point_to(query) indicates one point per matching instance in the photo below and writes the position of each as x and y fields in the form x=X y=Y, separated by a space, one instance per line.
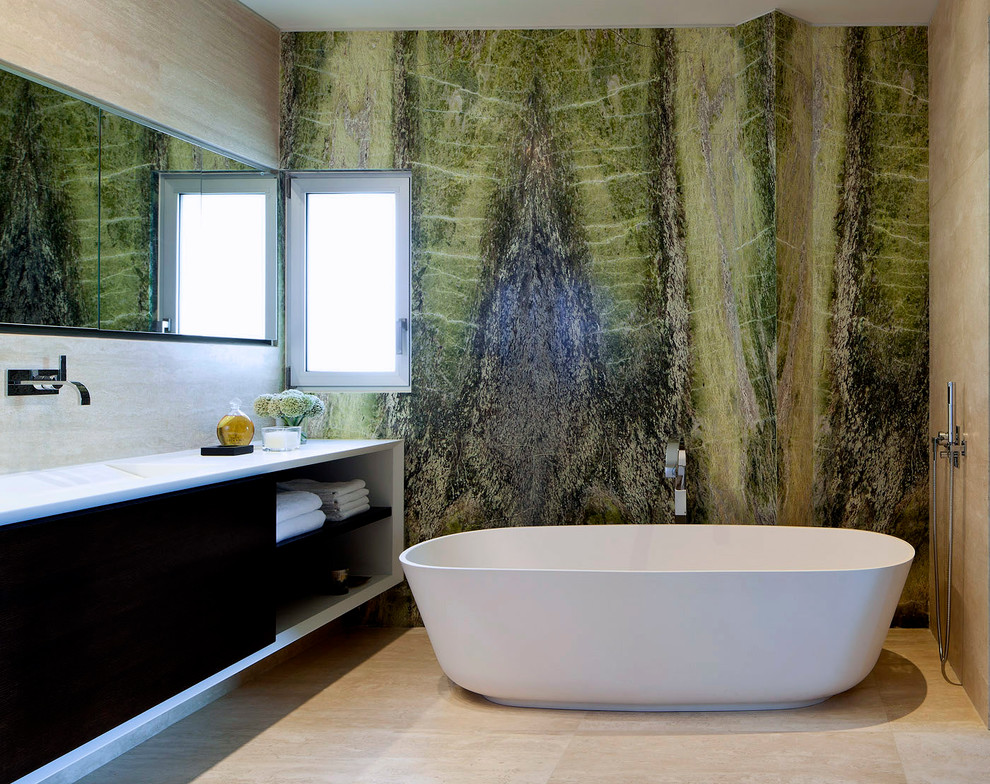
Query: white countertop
x=32 y=494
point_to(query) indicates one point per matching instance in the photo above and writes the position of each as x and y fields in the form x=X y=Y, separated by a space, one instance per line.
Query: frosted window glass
x=350 y=282
x=222 y=264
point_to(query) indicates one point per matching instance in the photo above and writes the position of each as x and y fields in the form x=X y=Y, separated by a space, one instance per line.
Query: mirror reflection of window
x=222 y=264
x=217 y=239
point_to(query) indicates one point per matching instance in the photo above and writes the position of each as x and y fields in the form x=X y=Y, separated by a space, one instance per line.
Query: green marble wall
x=871 y=467
x=625 y=236
x=723 y=117
x=49 y=228
x=852 y=265
x=795 y=114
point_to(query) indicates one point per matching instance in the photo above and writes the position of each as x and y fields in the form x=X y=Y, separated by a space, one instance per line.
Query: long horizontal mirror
x=110 y=225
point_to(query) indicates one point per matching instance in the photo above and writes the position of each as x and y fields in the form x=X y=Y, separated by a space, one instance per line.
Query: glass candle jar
x=280 y=439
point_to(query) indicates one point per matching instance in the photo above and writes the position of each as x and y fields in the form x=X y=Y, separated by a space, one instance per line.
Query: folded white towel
x=347 y=507
x=343 y=515
x=328 y=491
x=358 y=496
x=300 y=524
x=295 y=503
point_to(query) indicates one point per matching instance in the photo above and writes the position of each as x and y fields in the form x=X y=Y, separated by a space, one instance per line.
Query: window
x=217 y=269
x=348 y=280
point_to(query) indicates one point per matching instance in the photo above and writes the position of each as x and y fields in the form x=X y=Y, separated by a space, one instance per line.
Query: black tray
x=227 y=450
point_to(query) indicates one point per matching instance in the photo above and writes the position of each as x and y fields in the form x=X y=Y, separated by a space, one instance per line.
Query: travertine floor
x=371 y=706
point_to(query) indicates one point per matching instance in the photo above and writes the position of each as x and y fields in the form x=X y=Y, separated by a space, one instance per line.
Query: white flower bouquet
x=291 y=406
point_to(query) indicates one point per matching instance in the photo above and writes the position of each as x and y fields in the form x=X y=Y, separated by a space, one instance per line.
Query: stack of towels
x=339 y=500
x=297 y=513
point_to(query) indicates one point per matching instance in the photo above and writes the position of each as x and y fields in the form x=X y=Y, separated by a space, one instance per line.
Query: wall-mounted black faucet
x=44 y=382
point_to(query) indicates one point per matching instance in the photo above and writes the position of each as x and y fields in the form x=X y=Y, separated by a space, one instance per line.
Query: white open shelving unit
x=370 y=551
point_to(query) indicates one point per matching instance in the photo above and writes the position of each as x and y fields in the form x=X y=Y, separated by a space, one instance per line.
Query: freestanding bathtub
x=658 y=617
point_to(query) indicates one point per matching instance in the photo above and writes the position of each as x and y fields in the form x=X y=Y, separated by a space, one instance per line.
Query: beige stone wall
x=208 y=70
x=959 y=302
x=148 y=396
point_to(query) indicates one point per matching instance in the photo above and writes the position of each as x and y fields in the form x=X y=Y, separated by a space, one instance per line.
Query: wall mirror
x=82 y=245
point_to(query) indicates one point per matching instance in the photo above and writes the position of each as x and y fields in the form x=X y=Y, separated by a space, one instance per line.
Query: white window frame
x=171 y=185
x=300 y=185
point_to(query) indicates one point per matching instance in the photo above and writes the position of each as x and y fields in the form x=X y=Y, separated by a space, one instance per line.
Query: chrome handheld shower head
x=952 y=412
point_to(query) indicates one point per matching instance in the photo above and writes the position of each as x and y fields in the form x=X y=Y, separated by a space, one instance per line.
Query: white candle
x=276 y=441
x=281 y=439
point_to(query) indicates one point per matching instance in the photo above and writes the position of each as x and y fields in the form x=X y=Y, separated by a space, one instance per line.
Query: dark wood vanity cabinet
x=107 y=612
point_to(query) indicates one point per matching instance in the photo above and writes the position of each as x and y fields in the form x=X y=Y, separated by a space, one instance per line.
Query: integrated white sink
x=151 y=469
x=53 y=479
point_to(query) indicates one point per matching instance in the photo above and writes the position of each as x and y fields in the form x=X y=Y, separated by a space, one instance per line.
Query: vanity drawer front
x=108 y=612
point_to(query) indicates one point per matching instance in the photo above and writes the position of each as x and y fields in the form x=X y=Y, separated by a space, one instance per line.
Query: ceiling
x=522 y=14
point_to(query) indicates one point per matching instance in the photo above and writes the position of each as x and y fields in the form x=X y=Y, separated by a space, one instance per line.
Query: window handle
x=401 y=325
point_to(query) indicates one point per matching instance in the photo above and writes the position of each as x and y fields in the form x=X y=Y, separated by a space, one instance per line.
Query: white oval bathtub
x=658 y=617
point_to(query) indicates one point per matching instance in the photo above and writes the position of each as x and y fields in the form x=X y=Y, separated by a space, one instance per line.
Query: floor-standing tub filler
x=658 y=617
